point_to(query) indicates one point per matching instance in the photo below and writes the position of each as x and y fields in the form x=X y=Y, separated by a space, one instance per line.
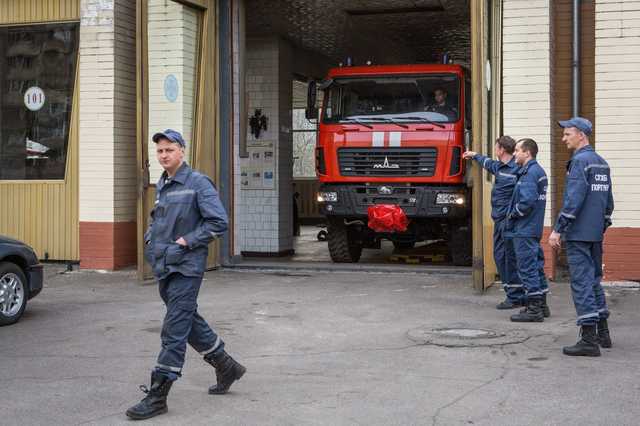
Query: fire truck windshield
x=405 y=99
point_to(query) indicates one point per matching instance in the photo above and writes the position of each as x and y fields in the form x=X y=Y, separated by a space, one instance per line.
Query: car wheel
x=13 y=293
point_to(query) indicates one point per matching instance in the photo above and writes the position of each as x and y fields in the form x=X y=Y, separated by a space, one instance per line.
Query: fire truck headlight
x=327 y=197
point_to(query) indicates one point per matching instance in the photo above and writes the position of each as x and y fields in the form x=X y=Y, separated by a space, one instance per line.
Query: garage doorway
x=302 y=41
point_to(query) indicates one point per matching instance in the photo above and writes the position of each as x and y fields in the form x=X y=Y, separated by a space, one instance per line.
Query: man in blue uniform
x=525 y=221
x=504 y=169
x=586 y=214
x=187 y=216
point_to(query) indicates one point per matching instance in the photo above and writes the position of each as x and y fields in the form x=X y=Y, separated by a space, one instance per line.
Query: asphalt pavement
x=321 y=348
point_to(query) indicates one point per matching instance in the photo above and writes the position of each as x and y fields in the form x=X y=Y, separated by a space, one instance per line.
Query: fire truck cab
x=394 y=135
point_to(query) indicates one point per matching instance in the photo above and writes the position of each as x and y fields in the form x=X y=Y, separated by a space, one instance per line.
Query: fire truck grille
x=387 y=161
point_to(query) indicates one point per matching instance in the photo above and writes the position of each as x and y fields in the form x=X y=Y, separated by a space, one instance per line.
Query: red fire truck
x=394 y=135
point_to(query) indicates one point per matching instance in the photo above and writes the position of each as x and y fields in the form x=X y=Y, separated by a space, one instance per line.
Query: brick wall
x=97 y=85
x=526 y=81
x=617 y=106
x=527 y=85
x=107 y=182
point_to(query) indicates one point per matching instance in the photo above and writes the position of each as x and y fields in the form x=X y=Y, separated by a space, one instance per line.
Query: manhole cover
x=461 y=335
x=465 y=333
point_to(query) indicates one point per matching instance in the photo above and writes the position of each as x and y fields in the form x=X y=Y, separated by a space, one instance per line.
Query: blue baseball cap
x=579 y=123
x=170 y=135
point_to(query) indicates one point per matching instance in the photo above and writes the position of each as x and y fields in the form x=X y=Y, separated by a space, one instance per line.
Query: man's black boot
x=532 y=313
x=604 y=338
x=228 y=370
x=587 y=345
x=155 y=402
x=545 y=308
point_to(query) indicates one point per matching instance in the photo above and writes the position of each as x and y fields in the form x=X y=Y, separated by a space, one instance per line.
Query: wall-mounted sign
x=34 y=98
x=171 y=88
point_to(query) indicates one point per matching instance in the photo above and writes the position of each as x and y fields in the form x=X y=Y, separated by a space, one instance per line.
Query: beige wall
x=107 y=111
x=527 y=61
x=172 y=45
x=617 y=102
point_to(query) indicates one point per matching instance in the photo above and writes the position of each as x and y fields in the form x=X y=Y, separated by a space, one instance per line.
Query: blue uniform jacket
x=186 y=206
x=503 y=185
x=526 y=210
x=588 y=198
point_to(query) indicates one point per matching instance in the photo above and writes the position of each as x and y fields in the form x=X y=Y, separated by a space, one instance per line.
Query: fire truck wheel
x=460 y=246
x=342 y=248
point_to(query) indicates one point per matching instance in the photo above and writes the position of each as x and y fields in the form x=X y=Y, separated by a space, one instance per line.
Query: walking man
x=187 y=216
x=504 y=169
x=585 y=216
x=524 y=225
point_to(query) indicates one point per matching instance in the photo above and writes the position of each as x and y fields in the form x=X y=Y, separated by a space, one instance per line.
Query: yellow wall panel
x=44 y=214
x=34 y=11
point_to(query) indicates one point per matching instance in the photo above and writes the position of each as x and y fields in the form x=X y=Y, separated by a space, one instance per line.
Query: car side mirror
x=311 y=112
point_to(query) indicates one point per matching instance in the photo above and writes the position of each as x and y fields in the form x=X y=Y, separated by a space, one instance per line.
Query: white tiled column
x=264 y=216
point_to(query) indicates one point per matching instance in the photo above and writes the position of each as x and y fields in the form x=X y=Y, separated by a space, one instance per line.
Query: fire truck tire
x=341 y=247
x=461 y=246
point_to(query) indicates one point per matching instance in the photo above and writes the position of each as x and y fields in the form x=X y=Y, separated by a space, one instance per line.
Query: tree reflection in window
x=33 y=142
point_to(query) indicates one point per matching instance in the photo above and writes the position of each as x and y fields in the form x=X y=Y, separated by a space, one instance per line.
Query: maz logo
x=386 y=165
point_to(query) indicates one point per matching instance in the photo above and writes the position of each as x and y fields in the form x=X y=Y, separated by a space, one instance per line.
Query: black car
x=20 y=278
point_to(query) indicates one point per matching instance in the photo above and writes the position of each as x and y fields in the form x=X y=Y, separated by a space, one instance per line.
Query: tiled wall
x=264 y=216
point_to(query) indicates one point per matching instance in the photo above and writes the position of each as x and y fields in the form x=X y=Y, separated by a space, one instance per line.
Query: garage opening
x=425 y=46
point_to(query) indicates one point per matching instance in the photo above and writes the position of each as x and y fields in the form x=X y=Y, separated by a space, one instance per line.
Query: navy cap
x=170 y=135
x=579 y=123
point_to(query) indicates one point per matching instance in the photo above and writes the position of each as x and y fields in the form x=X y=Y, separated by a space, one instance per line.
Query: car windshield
x=404 y=99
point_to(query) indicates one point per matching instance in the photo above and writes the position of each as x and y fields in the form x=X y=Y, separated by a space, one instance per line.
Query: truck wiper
x=355 y=120
x=389 y=120
x=425 y=120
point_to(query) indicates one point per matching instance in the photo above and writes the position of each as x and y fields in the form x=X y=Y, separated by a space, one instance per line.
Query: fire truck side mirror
x=311 y=113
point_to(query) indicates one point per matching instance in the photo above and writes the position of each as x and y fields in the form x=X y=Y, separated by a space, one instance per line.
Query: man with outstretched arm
x=504 y=169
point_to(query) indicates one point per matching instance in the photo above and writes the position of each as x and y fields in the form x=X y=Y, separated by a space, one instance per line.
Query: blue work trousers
x=182 y=324
x=530 y=264
x=505 y=259
x=585 y=268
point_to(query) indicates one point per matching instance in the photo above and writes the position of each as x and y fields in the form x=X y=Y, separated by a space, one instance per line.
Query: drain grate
x=461 y=335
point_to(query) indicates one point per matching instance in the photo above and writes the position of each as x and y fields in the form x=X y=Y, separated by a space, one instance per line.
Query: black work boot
x=532 y=313
x=545 y=308
x=604 y=338
x=228 y=370
x=155 y=402
x=509 y=304
x=587 y=345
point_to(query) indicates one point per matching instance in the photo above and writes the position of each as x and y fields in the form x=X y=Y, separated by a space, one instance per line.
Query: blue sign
x=171 y=88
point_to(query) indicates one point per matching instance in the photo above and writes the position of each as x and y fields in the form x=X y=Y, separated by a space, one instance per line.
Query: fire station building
x=85 y=83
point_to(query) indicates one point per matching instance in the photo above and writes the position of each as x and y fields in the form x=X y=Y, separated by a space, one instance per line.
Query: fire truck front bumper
x=417 y=201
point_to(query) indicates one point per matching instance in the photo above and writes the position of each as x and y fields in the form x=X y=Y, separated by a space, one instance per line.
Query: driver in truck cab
x=441 y=106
